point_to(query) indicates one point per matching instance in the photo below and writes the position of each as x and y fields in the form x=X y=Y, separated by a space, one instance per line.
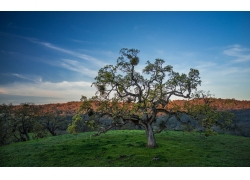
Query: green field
x=125 y=148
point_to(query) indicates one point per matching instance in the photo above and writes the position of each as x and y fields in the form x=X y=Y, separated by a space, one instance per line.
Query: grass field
x=125 y=148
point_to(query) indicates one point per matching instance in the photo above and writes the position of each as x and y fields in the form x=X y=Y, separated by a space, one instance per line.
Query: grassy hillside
x=125 y=148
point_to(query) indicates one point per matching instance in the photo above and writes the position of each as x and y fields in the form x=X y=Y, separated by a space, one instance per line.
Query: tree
x=202 y=108
x=126 y=96
x=6 y=115
x=16 y=122
x=24 y=118
x=52 y=119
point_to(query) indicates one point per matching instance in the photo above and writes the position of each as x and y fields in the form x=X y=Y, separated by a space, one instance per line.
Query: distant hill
x=69 y=108
x=220 y=104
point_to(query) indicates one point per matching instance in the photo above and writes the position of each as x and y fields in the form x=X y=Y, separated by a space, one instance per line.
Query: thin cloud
x=160 y=51
x=3 y=91
x=88 y=42
x=32 y=78
x=235 y=71
x=240 y=53
x=205 y=65
x=63 y=50
x=78 y=41
x=101 y=52
x=230 y=71
x=76 y=66
x=10 y=52
x=65 y=89
x=73 y=53
x=216 y=72
x=23 y=37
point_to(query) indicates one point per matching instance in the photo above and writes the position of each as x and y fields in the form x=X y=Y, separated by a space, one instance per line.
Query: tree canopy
x=127 y=96
x=19 y=122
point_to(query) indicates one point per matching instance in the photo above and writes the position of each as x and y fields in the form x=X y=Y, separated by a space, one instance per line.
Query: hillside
x=220 y=104
x=67 y=108
x=241 y=109
x=124 y=148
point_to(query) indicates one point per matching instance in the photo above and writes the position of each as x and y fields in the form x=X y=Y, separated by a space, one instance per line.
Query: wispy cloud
x=32 y=78
x=10 y=52
x=87 y=42
x=73 y=53
x=78 y=41
x=236 y=72
x=205 y=65
x=86 y=57
x=76 y=66
x=240 y=53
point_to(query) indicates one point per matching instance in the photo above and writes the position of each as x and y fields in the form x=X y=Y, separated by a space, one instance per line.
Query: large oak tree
x=126 y=96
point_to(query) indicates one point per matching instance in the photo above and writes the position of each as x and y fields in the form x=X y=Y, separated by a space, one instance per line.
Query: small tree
x=127 y=96
x=38 y=130
x=52 y=119
x=6 y=115
x=16 y=122
x=25 y=116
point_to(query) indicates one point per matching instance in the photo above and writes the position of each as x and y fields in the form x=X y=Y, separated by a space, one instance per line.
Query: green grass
x=126 y=148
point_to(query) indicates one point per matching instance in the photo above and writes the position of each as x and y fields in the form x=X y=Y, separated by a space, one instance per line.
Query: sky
x=53 y=57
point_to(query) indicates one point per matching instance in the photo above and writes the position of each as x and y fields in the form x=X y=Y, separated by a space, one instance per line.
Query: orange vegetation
x=71 y=108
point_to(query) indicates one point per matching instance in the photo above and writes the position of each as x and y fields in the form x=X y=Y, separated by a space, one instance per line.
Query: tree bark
x=52 y=132
x=27 y=136
x=150 y=136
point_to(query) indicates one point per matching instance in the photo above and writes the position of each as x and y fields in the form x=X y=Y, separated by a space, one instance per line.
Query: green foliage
x=91 y=124
x=83 y=98
x=76 y=124
x=130 y=54
x=22 y=122
x=18 y=123
x=134 y=61
x=39 y=131
x=86 y=106
x=5 y=124
x=201 y=109
x=52 y=120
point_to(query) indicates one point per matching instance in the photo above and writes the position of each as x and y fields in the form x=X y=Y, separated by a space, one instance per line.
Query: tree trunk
x=150 y=136
x=52 y=132
x=27 y=136
x=25 y=130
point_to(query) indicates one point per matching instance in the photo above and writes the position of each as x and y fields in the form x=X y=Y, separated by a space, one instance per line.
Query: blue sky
x=50 y=57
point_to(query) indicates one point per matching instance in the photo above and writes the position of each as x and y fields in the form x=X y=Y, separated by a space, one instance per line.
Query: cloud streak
x=32 y=78
x=240 y=53
x=76 y=66
x=205 y=65
x=73 y=53
x=86 y=57
x=88 y=42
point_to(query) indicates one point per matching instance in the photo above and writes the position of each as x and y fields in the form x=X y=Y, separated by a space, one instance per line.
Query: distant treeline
x=29 y=121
